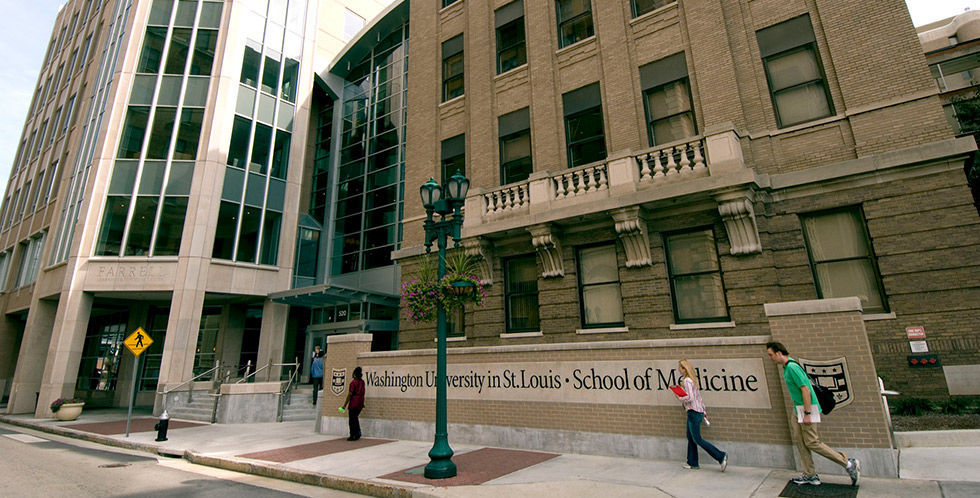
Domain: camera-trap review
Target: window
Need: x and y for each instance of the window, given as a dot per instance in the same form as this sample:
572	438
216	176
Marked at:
667	100
453	157
797	83
352	24
584	136
841	257
957	73
30	260
4	269
447	3
511	47
695	277
514	130
641	7
456	323
521	294
452	68
598	280
574	21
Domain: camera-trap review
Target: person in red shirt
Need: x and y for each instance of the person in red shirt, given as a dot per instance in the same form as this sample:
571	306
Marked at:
354	404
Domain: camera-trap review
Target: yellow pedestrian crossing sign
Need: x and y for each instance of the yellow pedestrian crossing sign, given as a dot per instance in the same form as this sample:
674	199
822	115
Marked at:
138	341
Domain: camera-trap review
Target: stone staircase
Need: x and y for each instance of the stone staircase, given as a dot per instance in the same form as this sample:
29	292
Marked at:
199	409
300	406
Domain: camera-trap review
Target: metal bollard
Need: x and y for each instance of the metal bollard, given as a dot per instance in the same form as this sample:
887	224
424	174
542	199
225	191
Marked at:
162	425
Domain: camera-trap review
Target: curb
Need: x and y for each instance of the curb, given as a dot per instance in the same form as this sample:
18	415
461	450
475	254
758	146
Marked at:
937	439
381	490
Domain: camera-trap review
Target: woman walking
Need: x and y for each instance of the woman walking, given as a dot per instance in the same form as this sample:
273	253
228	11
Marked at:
354	404
695	415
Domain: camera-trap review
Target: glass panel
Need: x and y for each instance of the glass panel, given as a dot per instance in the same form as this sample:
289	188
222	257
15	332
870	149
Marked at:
160	12
274	34
133	132
246	101
802	104
585	125
602	304
161	133
169	90
143	87
152	52
673	128
296	17
186	11
255	192
260	148
210	15
181	175
189	134
515	147
141	228
307	252
285	116
204	51
196	94
276	197
699	297
641	7
290	73
250	67
151	180
568	9
123	177
233	185
277	11
835	236
792	69
280	154
521	287
113	223
238	149
511	48
672	98
224	233
692	252
598	265
270	76
267	108
270	238
249	234
180	41
851	278
171	226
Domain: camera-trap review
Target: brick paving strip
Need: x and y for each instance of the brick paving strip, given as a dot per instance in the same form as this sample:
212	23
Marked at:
310	450
142	424
477	467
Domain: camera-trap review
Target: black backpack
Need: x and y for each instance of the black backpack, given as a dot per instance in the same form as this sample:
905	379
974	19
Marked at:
824	397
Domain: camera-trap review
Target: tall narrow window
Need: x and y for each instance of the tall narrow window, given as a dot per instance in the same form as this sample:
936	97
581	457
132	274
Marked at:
574	21
452	68
667	100
584	134
521	294
695	277
841	257
599	293
797	83
511	47
453	156
641	7
514	130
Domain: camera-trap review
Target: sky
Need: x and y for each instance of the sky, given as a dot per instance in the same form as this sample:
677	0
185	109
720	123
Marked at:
26	26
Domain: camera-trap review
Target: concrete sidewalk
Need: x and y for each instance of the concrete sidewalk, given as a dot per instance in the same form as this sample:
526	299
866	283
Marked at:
379	467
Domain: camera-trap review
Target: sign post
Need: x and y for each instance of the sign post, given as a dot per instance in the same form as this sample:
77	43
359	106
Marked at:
137	342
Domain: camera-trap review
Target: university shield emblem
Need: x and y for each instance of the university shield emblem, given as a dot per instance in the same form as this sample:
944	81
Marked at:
831	374
338	381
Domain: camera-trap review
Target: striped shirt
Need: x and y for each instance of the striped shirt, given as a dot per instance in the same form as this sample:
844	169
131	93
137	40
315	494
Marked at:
693	399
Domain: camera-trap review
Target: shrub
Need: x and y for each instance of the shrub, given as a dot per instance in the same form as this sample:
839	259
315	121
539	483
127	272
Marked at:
56	404
954	406
912	406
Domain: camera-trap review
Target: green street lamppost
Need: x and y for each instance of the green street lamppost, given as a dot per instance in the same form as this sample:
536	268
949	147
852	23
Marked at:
446	201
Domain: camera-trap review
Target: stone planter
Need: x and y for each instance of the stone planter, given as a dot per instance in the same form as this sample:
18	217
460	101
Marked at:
69	411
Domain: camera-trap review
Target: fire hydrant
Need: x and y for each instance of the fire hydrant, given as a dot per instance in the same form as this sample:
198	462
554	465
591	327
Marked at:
162	425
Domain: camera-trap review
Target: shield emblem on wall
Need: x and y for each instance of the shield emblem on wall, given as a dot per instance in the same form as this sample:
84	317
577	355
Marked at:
831	374
338	380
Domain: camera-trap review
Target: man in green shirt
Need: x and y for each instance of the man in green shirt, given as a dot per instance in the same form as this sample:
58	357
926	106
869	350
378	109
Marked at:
807	417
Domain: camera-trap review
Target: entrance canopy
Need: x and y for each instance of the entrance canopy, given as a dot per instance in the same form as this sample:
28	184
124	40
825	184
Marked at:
316	296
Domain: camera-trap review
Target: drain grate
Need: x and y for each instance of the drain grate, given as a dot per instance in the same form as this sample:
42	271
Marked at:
113	465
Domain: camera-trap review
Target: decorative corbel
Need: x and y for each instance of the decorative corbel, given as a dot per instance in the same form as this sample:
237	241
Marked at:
739	218
479	249
632	230
549	250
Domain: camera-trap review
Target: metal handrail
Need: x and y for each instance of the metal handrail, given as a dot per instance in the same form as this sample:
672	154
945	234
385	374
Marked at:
190	383
286	390
247	375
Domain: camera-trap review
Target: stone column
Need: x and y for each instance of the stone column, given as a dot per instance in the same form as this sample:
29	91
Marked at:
66	323
11	333
177	364
271	338
342	356
828	337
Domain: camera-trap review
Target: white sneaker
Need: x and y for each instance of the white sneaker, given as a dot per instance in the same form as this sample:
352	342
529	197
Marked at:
724	462
853	470
686	466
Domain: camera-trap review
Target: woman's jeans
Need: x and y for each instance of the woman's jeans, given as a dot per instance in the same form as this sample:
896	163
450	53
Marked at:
694	440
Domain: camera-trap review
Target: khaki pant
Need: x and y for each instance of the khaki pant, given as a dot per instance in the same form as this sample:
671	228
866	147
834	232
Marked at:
806	439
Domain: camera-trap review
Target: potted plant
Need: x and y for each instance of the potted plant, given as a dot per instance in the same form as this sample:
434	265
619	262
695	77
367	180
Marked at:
421	293
66	409
460	286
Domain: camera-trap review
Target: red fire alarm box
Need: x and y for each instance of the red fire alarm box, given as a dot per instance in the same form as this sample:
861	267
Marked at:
923	360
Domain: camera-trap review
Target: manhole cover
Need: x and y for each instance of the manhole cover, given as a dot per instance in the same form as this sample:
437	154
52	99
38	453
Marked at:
113	465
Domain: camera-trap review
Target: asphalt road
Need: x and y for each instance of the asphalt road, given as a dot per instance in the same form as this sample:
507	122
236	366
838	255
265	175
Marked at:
39	464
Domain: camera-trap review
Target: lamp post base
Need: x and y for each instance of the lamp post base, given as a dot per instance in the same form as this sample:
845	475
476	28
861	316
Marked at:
440	469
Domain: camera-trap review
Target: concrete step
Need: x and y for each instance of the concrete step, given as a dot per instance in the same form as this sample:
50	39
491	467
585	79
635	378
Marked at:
937	439
190	414
289	417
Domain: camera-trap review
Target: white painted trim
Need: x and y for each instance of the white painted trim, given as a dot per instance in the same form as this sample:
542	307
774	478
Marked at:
521	334
870	317
608	330
703	325
451	339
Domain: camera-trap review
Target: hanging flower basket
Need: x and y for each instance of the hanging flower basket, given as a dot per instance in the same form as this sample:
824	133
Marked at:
460	286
